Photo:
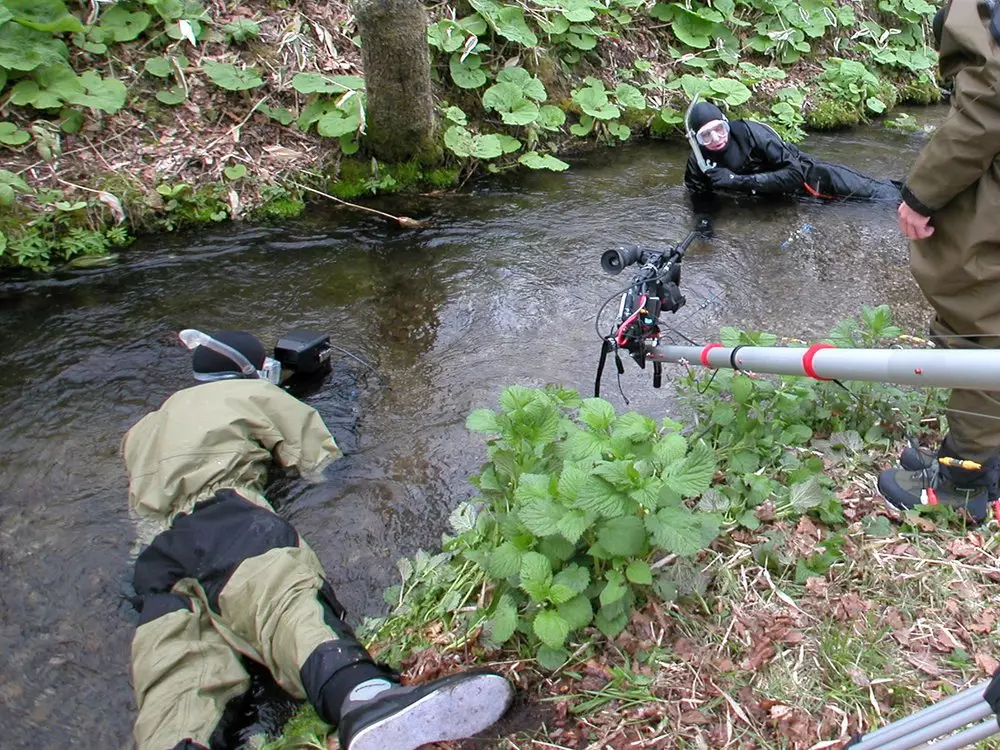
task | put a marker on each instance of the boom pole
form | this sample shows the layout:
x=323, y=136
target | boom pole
x=977, y=369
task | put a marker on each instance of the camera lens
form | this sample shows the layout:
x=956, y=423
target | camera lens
x=613, y=261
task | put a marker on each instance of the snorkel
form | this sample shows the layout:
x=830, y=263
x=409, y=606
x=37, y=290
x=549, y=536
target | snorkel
x=193, y=338
x=703, y=164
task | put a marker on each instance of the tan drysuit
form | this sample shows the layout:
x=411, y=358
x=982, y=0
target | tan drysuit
x=229, y=578
x=956, y=181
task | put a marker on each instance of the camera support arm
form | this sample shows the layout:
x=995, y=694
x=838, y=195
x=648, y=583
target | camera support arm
x=931, y=368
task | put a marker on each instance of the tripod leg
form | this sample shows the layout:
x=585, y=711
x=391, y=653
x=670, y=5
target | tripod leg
x=911, y=737
x=969, y=737
x=930, y=715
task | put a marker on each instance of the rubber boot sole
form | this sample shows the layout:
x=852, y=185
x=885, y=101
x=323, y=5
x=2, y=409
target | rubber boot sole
x=452, y=710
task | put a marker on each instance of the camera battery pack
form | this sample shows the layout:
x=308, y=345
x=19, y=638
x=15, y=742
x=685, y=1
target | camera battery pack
x=303, y=352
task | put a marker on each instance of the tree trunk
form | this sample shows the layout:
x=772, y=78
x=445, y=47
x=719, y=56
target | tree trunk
x=400, y=111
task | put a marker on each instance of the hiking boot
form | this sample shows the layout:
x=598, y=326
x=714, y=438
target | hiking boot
x=405, y=718
x=914, y=459
x=973, y=490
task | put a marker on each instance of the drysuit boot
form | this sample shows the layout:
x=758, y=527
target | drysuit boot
x=923, y=479
x=380, y=714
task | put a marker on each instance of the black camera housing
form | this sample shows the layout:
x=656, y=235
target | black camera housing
x=302, y=352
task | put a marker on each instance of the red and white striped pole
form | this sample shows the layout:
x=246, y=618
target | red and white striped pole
x=977, y=369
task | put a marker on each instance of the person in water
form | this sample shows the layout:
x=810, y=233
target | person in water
x=749, y=157
x=226, y=579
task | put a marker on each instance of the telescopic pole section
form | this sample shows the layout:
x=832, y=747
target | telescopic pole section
x=930, y=715
x=931, y=368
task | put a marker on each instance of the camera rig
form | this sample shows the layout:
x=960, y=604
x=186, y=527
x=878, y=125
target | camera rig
x=655, y=289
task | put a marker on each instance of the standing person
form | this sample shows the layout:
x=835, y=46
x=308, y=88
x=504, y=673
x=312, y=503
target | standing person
x=950, y=215
x=227, y=579
x=749, y=157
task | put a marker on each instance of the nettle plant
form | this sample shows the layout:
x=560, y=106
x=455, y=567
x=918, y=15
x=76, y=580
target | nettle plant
x=575, y=500
x=768, y=430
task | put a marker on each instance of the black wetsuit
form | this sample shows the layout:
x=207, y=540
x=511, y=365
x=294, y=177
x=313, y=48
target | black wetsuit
x=757, y=161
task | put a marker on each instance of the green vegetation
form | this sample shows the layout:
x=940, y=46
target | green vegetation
x=166, y=94
x=616, y=564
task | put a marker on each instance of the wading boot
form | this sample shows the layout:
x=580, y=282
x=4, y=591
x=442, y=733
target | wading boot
x=382, y=715
x=941, y=480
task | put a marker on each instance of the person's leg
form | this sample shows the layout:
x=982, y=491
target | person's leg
x=185, y=675
x=269, y=597
x=965, y=471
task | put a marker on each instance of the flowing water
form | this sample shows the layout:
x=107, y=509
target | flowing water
x=502, y=287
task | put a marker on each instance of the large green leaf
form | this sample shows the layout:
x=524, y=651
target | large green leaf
x=11, y=135
x=541, y=516
x=316, y=83
x=526, y=83
x=692, y=29
x=571, y=479
x=43, y=15
x=124, y=25
x=577, y=612
x=638, y=572
x=574, y=523
x=550, y=117
x=623, y=537
x=487, y=147
x=669, y=449
x=597, y=413
x=536, y=575
x=483, y=420
x=504, y=561
x=25, y=49
x=105, y=94
x=629, y=96
x=467, y=73
x=551, y=628
x=231, y=78
x=693, y=475
x=507, y=21
x=806, y=495
x=734, y=92
x=615, y=588
x=600, y=497
x=503, y=623
x=522, y=113
x=678, y=530
x=502, y=96
x=575, y=577
x=338, y=122
x=594, y=101
x=535, y=160
x=459, y=141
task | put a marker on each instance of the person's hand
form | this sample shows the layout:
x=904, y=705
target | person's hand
x=726, y=179
x=913, y=225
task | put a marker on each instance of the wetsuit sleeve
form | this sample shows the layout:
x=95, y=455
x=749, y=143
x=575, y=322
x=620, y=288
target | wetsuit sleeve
x=297, y=439
x=964, y=145
x=780, y=168
x=703, y=199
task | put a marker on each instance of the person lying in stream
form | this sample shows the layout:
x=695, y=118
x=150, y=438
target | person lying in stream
x=749, y=157
x=228, y=580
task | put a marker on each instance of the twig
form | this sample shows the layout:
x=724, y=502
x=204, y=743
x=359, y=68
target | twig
x=239, y=125
x=79, y=187
x=403, y=221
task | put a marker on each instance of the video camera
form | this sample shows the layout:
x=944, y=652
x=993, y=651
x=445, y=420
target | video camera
x=655, y=289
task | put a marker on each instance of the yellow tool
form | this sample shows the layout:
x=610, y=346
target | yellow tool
x=960, y=463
